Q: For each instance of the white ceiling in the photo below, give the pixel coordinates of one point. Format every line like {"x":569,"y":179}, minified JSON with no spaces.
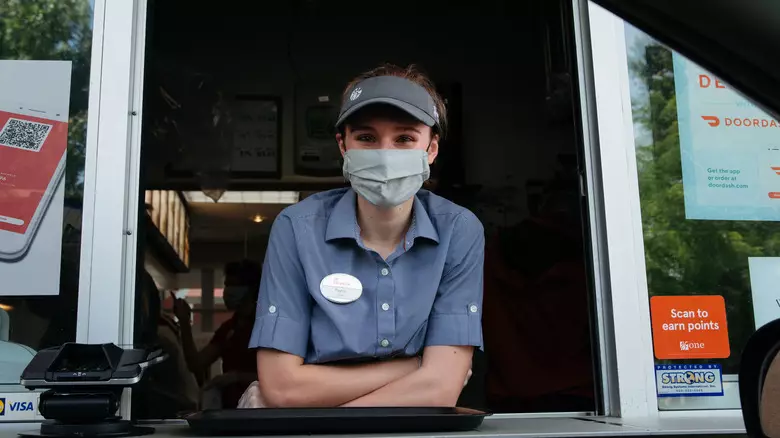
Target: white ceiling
{"x":232,"y":222}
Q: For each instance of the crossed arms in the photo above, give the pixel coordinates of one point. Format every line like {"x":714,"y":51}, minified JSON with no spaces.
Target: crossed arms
{"x":285,"y":381}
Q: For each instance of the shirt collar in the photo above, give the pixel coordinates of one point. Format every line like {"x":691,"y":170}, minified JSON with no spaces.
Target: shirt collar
{"x":423,"y":226}
{"x":342,"y":223}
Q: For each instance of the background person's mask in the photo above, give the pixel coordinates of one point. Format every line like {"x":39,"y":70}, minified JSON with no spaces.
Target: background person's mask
{"x":233,"y":296}
{"x":386,"y":177}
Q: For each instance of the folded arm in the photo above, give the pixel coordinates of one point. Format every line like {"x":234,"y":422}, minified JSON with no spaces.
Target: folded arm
{"x":285,"y":381}
{"x":438,"y":382}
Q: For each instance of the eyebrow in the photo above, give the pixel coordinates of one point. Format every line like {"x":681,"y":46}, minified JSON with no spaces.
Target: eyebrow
{"x":369,"y":128}
{"x":410,"y":128}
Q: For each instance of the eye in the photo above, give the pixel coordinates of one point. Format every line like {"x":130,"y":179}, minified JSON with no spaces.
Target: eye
{"x":365,"y":138}
{"x":405,"y":139}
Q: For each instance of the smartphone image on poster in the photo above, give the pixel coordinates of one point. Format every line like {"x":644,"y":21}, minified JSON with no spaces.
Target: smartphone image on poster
{"x":33,"y":144}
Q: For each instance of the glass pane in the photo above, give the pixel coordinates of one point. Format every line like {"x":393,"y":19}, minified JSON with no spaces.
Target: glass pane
{"x":513,"y":162}
{"x":45,"y":53}
{"x":709,"y":184}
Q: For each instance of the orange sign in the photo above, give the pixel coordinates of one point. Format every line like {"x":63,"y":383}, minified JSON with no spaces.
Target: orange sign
{"x":689,"y":327}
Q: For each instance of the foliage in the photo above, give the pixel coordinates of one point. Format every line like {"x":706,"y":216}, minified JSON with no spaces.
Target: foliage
{"x":688,"y":257}
{"x":55,"y":30}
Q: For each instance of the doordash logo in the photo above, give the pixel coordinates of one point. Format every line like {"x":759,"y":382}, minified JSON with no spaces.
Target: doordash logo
{"x":711,"y":120}
{"x":741,"y":122}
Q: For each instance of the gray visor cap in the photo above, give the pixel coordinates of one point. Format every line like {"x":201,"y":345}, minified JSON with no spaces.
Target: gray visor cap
{"x":390,"y":90}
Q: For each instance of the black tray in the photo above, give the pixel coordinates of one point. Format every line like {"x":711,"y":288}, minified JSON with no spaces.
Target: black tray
{"x":333,"y":420}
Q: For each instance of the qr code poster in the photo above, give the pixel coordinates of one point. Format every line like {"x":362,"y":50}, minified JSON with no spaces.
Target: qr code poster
{"x":34,"y":100}
{"x":24,"y":134}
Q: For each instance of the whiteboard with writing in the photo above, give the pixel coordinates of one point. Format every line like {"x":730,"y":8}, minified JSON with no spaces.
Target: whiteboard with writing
{"x":256,"y":135}
{"x":765,"y":288}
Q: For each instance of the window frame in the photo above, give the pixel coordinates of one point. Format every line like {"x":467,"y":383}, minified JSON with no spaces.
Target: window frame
{"x":617,"y":248}
{"x":108,"y":247}
{"x":614,"y":390}
{"x":102,"y":315}
{"x":625,"y":366}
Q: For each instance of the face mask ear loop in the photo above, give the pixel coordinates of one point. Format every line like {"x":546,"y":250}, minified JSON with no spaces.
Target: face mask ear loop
{"x":425,"y":158}
{"x":344,"y":166}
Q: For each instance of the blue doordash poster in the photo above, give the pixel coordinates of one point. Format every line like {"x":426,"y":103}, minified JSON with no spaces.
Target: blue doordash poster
{"x":730,"y":150}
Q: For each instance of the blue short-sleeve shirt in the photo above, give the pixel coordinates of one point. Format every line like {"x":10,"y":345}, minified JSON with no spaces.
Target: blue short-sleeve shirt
{"x":428,"y":292}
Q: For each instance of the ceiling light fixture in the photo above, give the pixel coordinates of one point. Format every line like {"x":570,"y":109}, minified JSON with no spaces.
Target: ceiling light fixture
{"x":257,"y":218}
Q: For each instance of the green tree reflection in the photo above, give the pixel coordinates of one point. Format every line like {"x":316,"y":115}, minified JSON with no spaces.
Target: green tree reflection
{"x":687,"y":257}
{"x":55,"y":30}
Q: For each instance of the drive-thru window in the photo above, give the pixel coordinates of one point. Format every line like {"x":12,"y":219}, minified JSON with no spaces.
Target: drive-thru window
{"x":627,"y":195}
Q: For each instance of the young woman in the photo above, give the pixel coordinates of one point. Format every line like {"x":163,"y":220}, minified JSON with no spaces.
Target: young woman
{"x":372,"y":295}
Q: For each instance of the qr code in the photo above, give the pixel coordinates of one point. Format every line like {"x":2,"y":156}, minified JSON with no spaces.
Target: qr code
{"x":24,"y":134}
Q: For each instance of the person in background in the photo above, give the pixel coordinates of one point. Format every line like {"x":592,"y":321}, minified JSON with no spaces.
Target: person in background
{"x":231,"y":340}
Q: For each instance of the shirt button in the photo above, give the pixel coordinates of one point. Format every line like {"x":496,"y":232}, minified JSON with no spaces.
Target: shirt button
{"x":385,"y":343}
{"x":385,"y":306}
{"x":384,"y":271}
{"x":272,"y":309}
{"x":473,"y":308}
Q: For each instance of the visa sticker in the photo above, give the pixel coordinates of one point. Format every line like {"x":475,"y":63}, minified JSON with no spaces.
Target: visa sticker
{"x":705,"y":380}
{"x":19,"y":406}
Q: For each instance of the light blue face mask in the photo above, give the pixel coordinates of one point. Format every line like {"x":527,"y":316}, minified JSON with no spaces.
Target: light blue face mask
{"x":386,"y":177}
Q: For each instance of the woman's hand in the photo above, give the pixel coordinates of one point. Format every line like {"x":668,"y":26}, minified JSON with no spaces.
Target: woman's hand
{"x":251,"y":398}
{"x":181,"y":309}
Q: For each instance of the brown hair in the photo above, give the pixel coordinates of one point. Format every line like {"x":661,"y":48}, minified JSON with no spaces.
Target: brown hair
{"x":411,"y":73}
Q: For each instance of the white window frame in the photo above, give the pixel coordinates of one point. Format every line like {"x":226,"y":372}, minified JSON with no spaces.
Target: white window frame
{"x":107,"y":230}
{"x":599,"y":245}
{"x":625,"y":355}
{"x":624,"y":394}
{"x":114,"y":184}
{"x":628,"y":380}
{"x":108,"y":246}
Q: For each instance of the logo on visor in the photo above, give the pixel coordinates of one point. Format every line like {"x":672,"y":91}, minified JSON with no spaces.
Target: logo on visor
{"x":355,"y":93}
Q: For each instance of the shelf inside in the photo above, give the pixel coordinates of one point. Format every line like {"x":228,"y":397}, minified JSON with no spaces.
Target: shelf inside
{"x":162,"y":249}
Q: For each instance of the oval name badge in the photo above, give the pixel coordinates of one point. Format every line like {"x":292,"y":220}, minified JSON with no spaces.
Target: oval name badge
{"x":341,"y":288}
